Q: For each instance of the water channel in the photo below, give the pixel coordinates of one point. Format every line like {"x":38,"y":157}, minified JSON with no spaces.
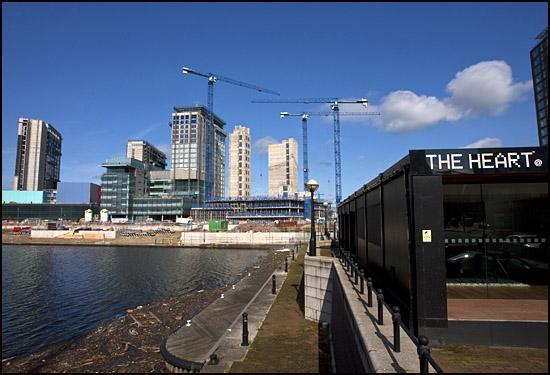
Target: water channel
{"x":51,"y":294}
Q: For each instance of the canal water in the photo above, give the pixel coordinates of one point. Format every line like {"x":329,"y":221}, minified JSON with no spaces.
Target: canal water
{"x":51,"y":294}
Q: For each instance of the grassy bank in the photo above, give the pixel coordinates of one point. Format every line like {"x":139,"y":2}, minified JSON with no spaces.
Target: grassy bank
{"x":286,"y":341}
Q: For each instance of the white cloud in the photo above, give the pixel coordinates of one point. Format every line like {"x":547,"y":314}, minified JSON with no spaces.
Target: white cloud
{"x":260,"y":146}
{"x":486,"y":87}
{"x":165,"y":148}
{"x":81,"y":172}
{"x":487,"y":142}
{"x":323,"y":163}
{"x":404,"y":111}
{"x":147,"y":130}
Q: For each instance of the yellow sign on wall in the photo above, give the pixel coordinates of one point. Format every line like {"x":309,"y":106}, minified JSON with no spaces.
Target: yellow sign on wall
{"x":426,"y":235}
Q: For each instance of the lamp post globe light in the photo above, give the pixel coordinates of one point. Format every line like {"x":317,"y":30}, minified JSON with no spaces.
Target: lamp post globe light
{"x":312,"y":185}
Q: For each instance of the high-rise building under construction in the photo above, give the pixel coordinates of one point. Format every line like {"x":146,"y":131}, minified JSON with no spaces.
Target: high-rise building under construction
{"x":239,"y":162}
{"x":283,"y":168}
{"x":146,"y":152}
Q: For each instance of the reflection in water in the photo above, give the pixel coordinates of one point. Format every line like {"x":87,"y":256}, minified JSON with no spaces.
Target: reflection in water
{"x":53,"y":293}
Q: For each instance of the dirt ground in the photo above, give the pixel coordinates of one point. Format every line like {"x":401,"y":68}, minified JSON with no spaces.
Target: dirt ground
{"x":130,"y":343}
{"x":159,"y":239}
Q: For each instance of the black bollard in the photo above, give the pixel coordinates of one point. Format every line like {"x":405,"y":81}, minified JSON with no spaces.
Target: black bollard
{"x":213,"y":359}
{"x":369,"y":288}
{"x":356,"y":272}
{"x":273,"y":291}
{"x":423,"y":351}
{"x":396,"y":318}
{"x":286,"y":264}
{"x":362,"y":276}
{"x":245,"y":330}
{"x":380,"y":298}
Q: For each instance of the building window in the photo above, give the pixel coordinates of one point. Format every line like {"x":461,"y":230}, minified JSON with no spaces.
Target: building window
{"x":495,"y":235}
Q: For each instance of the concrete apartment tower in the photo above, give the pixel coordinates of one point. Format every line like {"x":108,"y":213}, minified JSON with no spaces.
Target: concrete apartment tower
{"x":146,"y":152}
{"x":283,"y":168}
{"x":239,"y":162}
{"x":189,"y":153}
{"x":38,"y":157}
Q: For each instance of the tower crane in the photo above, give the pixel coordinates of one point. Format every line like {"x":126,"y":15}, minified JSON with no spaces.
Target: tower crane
{"x":305,"y":116}
{"x":304,"y":140}
{"x":336,"y":113}
{"x":212,"y":78}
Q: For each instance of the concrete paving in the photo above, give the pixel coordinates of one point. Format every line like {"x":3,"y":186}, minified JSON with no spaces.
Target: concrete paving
{"x":218,"y":329}
{"x":230,"y":349}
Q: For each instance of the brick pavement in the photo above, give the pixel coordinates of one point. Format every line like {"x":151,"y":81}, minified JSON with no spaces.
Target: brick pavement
{"x":490,"y":359}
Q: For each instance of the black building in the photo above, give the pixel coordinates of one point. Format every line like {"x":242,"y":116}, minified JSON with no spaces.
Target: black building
{"x":539,"y":69}
{"x":444,"y":224}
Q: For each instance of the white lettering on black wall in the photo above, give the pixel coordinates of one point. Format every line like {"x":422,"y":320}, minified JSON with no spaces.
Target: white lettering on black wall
{"x":482,"y":161}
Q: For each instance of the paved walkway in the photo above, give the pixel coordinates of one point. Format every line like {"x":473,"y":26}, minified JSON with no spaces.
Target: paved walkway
{"x":218,"y":329}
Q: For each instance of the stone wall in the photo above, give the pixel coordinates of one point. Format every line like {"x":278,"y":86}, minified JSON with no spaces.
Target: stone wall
{"x":359,"y":344}
{"x":318,"y":275}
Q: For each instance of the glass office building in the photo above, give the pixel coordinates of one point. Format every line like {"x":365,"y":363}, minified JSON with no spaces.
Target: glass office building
{"x":139,"y":191}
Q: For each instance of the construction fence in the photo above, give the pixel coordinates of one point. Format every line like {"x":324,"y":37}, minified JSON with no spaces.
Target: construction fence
{"x":249,"y":238}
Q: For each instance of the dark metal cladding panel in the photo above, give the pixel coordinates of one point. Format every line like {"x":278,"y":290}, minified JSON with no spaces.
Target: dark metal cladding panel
{"x":431,"y":293}
{"x":396,"y":238}
{"x":374,"y":230}
{"x":353,"y":227}
{"x":362,"y":229}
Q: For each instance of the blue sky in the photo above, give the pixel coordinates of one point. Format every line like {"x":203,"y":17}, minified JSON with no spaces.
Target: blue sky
{"x":442,"y":75}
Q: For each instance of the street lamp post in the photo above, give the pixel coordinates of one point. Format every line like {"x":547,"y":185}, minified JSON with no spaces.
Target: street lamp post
{"x":334,"y":227}
{"x":325,"y":204}
{"x":312,"y":185}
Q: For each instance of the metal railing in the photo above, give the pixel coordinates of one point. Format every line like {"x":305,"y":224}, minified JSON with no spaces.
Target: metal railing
{"x":358,"y":278}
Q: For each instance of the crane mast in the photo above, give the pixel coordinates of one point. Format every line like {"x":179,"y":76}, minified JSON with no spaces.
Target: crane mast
{"x":336,"y":115}
{"x":304,"y":131}
{"x":304,"y":142}
{"x":210,"y":134}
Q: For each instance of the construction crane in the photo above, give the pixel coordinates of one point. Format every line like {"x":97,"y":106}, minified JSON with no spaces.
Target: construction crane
{"x":212,"y":78}
{"x":305,"y":116}
{"x":336,"y":113}
{"x":304,"y":141}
